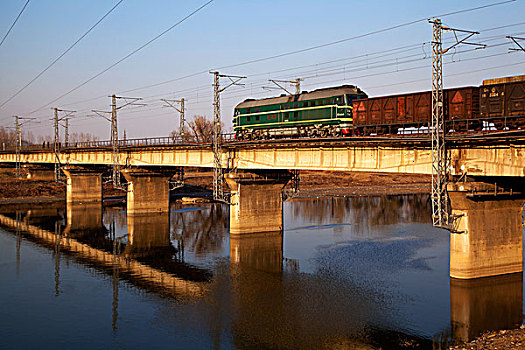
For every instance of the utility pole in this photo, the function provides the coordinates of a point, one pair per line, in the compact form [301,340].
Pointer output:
[180,109]
[114,142]
[18,171]
[515,40]
[56,148]
[128,101]
[66,132]
[440,160]
[218,176]
[18,130]
[296,82]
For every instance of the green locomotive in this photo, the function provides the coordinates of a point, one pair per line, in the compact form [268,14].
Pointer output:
[321,112]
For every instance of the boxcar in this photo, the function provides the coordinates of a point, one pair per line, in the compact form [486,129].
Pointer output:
[503,102]
[388,114]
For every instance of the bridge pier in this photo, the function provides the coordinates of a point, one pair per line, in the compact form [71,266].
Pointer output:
[148,190]
[489,239]
[84,185]
[256,201]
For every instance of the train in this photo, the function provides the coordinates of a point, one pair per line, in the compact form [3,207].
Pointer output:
[497,104]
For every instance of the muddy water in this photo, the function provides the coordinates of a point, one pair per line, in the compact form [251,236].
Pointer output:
[345,273]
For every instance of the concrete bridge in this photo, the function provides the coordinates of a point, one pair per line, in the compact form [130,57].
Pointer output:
[258,171]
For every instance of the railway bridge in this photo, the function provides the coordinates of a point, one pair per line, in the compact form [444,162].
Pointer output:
[486,201]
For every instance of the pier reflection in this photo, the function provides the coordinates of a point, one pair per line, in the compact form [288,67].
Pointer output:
[84,217]
[259,251]
[488,303]
[148,235]
[290,310]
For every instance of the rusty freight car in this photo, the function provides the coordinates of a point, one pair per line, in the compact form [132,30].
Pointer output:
[503,102]
[388,114]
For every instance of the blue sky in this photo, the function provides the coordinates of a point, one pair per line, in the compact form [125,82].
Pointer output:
[226,33]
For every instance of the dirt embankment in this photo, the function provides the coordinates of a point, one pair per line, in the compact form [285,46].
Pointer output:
[507,339]
[312,184]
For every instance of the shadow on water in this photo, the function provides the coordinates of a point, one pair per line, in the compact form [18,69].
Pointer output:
[356,273]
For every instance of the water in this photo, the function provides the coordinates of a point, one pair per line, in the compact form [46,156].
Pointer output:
[346,273]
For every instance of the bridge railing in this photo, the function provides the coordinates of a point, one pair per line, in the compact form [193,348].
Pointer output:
[139,142]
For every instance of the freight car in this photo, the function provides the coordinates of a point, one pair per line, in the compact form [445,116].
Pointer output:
[323,112]
[502,102]
[389,114]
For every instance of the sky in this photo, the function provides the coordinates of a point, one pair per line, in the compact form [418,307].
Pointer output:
[223,35]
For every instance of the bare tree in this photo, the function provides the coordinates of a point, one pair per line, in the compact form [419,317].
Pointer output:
[188,135]
[201,128]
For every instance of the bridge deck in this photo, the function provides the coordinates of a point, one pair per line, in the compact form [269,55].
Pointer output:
[487,154]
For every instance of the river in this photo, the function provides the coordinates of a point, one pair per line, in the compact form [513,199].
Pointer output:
[346,273]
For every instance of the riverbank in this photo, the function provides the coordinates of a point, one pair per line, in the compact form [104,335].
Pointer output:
[199,184]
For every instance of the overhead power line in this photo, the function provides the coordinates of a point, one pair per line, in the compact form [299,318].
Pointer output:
[307,49]
[61,55]
[362,35]
[124,58]
[12,25]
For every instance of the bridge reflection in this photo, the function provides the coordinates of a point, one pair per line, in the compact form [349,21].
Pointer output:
[136,257]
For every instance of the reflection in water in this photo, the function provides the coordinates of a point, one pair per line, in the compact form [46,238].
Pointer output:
[489,303]
[367,257]
[148,235]
[203,230]
[364,211]
[262,252]
[291,311]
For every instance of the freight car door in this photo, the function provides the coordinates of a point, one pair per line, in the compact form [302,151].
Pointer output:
[515,94]
[389,110]
[401,110]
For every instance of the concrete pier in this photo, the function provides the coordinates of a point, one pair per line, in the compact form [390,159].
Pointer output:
[480,304]
[488,240]
[84,185]
[148,190]
[256,201]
